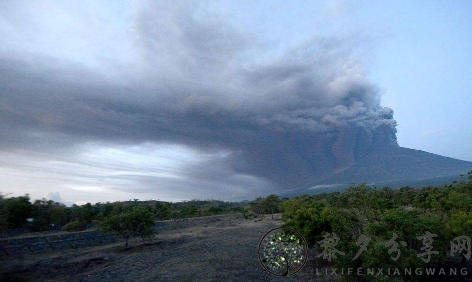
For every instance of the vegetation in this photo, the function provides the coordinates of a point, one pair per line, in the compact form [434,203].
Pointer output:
[3,214]
[17,210]
[134,222]
[269,205]
[374,217]
[364,222]
[75,226]
[42,215]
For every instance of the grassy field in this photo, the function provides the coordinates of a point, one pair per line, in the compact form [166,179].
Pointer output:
[220,248]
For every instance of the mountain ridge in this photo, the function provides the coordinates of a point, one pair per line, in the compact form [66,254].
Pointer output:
[399,163]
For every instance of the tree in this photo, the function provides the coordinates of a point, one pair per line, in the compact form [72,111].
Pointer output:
[292,206]
[137,221]
[44,212]
[3,214]
[271,204]
[17,210]
[61,215]
[85,213]
[256,205]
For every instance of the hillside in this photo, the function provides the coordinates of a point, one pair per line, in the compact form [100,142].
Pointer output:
[393,166]
[397,163]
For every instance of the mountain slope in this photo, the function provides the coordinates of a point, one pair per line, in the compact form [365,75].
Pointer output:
[397,163]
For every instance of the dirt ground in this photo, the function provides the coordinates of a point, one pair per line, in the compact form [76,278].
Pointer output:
[215,249]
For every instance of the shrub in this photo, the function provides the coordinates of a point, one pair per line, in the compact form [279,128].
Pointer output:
[136,222]
[248,214]
[75,226]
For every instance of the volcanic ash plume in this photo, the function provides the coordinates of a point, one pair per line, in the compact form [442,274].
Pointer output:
[290,118]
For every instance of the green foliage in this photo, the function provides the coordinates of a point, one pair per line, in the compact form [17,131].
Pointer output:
[48,214]
[86,213]
[60,216]
[378,214]
[3,214]
[290,207]
[260,206]
[459,224]
[194,208]
[17,210]
[248,213]
[75,226]
[256,206]
[271,204]
[310,221]
[137,221]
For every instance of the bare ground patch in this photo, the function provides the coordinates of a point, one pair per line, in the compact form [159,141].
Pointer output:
[213,249]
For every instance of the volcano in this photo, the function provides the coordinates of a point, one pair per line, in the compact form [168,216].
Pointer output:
[374,157]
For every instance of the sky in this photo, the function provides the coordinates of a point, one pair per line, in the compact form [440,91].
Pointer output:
[176,100]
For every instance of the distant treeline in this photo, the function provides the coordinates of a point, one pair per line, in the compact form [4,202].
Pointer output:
[360,208]
[42,215]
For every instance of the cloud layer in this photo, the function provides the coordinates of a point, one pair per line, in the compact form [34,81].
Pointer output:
[242,118]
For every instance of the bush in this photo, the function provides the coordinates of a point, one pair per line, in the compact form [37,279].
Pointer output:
[74,226]
[248,213]
[136,222]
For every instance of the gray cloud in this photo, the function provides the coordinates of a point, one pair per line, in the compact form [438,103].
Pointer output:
[283,120]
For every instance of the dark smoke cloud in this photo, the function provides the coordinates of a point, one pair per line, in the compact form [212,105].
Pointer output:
[283,121]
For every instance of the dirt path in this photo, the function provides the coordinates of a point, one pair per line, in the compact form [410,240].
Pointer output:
[213,249]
